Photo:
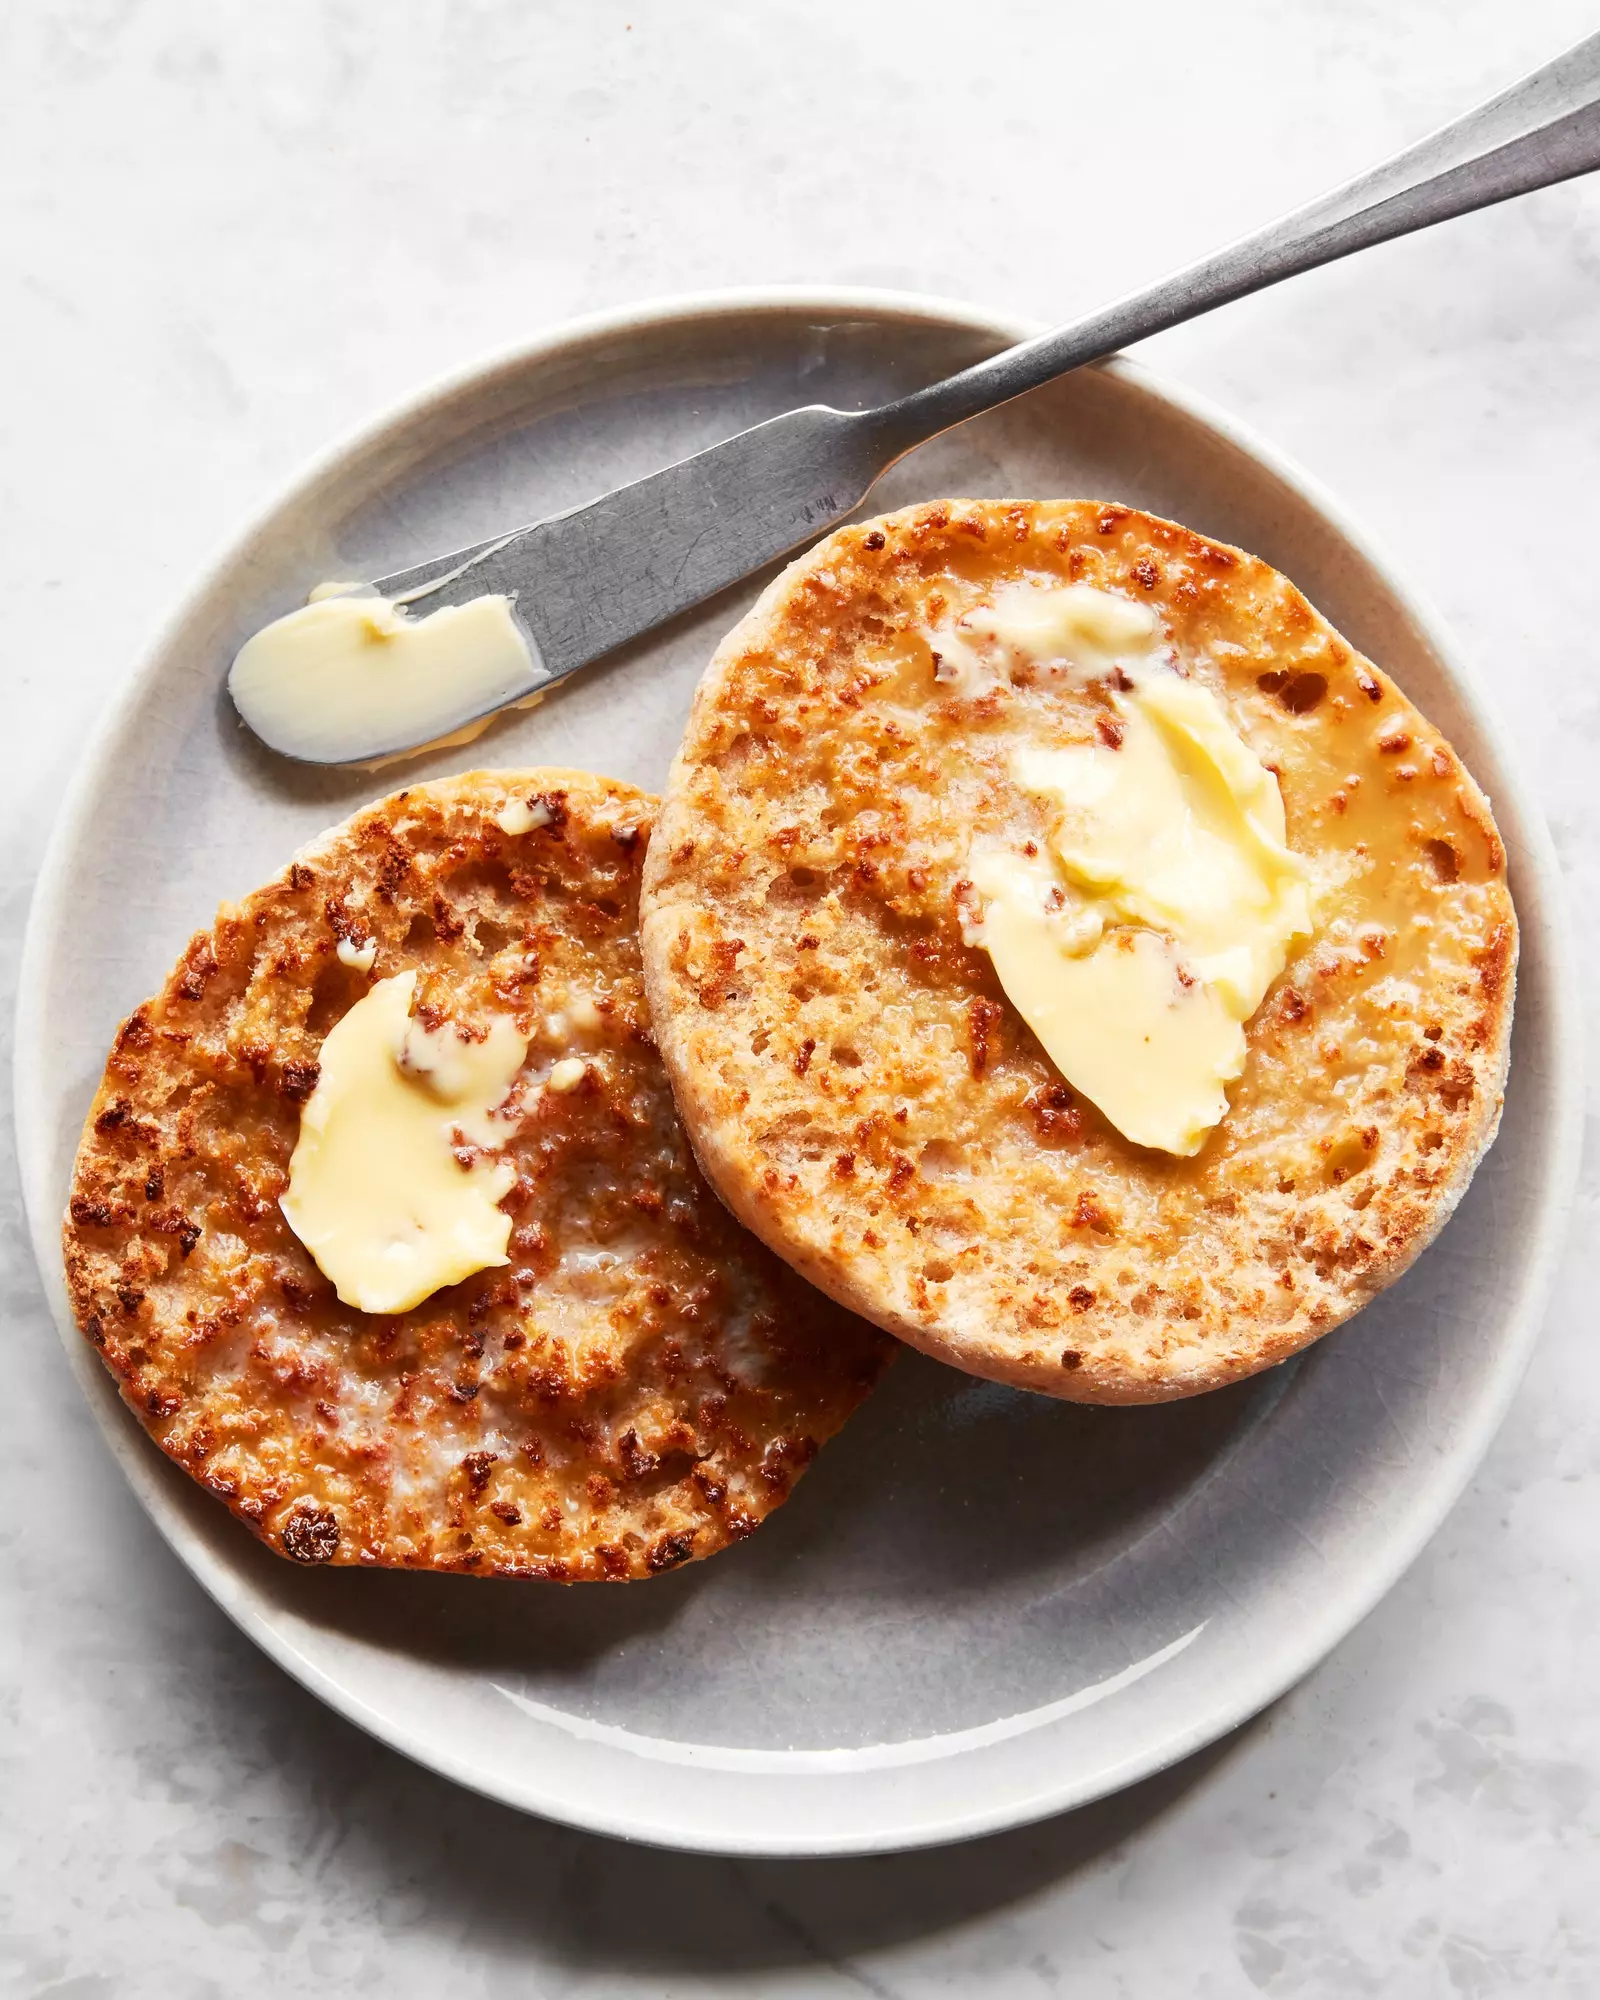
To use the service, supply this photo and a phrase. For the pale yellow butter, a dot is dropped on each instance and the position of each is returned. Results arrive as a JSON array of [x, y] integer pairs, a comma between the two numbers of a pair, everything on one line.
[[518, 816], [376, 1191], [1074, 630], [359, 957], [1116, 1019], [1141, 945], [1074, 626], [343, 673]]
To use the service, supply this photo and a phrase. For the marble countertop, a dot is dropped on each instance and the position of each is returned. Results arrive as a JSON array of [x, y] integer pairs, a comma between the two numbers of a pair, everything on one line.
[[233, 232]]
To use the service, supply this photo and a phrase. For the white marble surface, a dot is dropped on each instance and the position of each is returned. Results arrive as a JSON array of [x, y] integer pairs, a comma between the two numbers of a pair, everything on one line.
[[233, 231]]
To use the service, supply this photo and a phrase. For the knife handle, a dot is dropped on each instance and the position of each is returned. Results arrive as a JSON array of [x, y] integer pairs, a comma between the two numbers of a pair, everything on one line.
[[1542, 130]]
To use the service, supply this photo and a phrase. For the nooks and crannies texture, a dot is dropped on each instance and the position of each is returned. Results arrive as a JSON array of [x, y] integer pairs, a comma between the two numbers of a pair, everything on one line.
[[642, 1383], [854, 1080]]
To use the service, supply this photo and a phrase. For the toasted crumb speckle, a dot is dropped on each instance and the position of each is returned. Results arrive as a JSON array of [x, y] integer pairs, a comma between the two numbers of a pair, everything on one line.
[[610, 1405], [860, 1089]]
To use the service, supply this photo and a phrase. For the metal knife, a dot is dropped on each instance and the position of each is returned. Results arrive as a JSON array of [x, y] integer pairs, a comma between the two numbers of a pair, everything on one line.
[[668, 541]]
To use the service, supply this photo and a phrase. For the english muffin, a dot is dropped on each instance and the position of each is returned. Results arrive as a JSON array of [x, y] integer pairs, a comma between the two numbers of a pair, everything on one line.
[[857, 1083], [634, 1383]]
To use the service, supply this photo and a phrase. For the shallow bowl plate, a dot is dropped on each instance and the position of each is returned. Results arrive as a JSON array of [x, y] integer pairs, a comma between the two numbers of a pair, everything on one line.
[[980, 1607]]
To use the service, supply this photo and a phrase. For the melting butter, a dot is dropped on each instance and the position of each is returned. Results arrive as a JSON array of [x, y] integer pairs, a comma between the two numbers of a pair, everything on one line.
[[518, 816], [376, 1192], [359, 957], [1115, 1018], [567, 1074], [1075, 629], [347, 676], [1139, 948]]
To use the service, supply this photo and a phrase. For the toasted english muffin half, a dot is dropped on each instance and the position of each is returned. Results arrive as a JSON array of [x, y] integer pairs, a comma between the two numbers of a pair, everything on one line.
[[864, 1096], [640, 1385]]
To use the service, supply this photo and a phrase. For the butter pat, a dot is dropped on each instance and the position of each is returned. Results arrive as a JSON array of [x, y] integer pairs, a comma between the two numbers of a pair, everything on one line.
[[348, 677], [376, 1191], [1116, 1019], [1138, 949], [522, 815], [359, 957], [1076, 626], [1074, 630]]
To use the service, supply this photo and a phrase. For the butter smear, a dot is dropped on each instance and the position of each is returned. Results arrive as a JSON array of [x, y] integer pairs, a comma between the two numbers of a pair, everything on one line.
[[345, 677], [377, 1192], [1139, 946]]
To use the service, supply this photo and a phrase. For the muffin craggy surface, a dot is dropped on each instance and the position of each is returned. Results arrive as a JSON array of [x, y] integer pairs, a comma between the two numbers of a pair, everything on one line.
[[640, 1385], [855, 1082]]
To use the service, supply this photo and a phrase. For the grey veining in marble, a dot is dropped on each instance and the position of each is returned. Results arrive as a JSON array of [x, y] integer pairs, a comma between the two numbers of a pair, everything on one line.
[[233, 231]]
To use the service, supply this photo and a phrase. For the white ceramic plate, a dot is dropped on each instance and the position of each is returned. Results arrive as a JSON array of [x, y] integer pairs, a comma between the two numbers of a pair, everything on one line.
[[980, 1607]]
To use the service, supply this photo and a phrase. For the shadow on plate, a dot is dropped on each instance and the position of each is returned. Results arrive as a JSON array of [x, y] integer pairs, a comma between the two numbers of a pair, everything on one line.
[[516, 1893], [940, 1487]]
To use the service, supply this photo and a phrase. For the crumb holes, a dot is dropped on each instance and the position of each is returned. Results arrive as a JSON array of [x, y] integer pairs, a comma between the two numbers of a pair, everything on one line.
[[1351, 1154], [419, 932], [797, 887], [332, 996], [845, 1056], [759, 1041], [1298, 693], [486, 878], [1446, 862], [1301, 693], [490, 937], [940, 1161], [938, 1272]]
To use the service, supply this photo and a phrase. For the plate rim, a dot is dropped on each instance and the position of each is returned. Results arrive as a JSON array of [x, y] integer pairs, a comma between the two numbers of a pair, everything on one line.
[[1541, 891]]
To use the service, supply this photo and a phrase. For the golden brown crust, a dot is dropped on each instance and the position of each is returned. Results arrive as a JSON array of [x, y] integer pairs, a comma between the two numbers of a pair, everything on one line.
[[643, 1383], [862, 1094]]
